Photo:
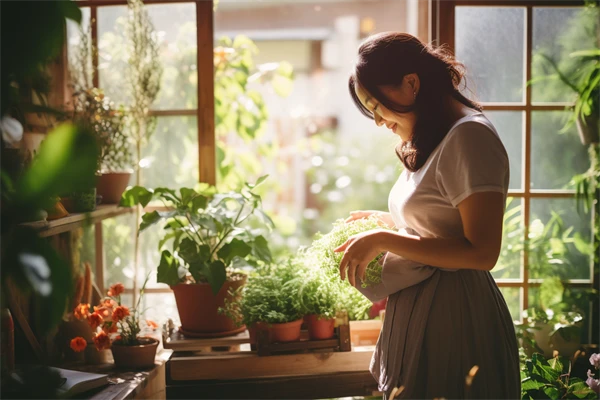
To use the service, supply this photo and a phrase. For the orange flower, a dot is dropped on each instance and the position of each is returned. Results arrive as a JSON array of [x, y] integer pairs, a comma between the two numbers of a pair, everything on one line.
[[82, 311], [109, 327], [105, 309], [102, 340], [116, 289], [95, 320], [120, 313], [78, 344], [151, 324]]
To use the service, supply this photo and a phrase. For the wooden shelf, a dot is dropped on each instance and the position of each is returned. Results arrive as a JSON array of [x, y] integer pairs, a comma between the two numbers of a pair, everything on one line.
[[76, 220]]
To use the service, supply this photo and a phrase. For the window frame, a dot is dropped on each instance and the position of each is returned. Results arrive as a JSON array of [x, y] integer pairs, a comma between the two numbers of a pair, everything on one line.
[[443, 32]]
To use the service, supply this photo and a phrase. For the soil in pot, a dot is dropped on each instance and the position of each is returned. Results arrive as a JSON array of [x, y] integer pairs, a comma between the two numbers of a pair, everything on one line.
[[140, 356], [320, 328], [286, 332], [198, 309], [111, 186]]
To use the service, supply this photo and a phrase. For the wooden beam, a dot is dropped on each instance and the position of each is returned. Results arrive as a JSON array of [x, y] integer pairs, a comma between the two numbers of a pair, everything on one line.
[[206, 93]]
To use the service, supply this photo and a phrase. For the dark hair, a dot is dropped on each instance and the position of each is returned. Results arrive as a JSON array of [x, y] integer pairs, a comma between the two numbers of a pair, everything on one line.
[[385, 59]]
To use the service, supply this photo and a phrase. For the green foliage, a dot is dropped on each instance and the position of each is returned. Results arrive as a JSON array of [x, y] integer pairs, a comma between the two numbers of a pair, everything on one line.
[[320, 294], [241, 110], [551, 379], [272, 294], [210, 232], [108, 123]]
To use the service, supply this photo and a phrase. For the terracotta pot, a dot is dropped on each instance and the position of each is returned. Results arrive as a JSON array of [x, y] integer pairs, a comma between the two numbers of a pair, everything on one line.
[[254, 329], [141, 356], [92, 356], [111, 186], [198, 309], [286, 332], [320, 328]]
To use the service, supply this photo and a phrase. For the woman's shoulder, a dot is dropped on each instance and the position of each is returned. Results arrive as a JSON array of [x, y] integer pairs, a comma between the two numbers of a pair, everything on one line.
[[470, 133]]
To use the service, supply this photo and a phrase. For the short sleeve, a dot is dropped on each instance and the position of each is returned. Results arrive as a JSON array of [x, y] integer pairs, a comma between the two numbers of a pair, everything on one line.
[[472, 159]]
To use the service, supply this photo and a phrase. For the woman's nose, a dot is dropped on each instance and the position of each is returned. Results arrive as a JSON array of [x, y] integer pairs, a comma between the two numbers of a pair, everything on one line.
[[378, 119]]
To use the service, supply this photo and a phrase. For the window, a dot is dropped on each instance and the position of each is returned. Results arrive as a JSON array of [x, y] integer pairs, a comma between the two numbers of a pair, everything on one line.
[[501, 47]]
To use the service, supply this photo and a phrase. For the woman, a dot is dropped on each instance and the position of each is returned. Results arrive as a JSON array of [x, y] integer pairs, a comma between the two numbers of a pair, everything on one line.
[[446, 318]]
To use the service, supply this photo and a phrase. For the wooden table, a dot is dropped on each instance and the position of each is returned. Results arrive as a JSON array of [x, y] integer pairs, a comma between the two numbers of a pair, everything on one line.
[[143, 384]]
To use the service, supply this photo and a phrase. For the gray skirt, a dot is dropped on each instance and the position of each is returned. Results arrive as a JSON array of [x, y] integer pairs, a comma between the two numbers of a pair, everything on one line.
[[436, 330]]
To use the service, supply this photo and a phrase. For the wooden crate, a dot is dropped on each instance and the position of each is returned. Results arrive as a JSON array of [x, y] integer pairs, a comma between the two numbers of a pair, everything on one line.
[[341, 342], [365, 333], [248, 365]]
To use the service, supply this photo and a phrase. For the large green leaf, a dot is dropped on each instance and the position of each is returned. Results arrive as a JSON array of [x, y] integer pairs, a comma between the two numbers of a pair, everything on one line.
[[149, 219], [66, 162], [134, 196], [260, 249], [190, 252], [531, 384], [216, 275], [232, 249], [167, 271], [582, 391], [552, 392]]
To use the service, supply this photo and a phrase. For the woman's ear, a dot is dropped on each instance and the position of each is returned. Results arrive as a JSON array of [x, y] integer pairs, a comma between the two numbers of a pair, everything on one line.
[[413, 82]]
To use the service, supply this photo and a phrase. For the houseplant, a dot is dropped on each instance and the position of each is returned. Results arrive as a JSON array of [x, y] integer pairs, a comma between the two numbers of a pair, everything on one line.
[[319, 301], [107, 121], [213, 236], [119, 328]]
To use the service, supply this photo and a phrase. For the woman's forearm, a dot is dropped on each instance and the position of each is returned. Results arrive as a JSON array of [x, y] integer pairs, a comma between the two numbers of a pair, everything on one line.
[[455, 253]]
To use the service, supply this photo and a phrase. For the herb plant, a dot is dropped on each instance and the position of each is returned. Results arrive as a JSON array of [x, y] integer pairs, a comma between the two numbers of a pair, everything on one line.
[[211, 233], [551, 379]]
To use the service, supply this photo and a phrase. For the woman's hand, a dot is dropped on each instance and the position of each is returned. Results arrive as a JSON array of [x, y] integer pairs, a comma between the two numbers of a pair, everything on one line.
[[359, 251], [384, 218]]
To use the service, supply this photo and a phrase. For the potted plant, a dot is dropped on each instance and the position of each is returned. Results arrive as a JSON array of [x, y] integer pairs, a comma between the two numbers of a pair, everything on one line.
[[213, 236], [319, 299], [107, 122], [119, 328]]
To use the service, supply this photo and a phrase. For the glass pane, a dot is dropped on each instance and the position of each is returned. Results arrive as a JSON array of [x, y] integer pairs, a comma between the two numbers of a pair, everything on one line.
[[170, 158], [512, 296], [555, 156], [558, 240], [509, 125], [119, 234], [150, 255], [88, 246], [175, 25], [327, 158], [74, 44], [557, 32], [510, 260], [159, 307], [490, 41]]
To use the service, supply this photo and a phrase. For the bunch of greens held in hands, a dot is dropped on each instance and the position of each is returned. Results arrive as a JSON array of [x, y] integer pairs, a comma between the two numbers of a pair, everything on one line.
[[320, 254], [211, 234]]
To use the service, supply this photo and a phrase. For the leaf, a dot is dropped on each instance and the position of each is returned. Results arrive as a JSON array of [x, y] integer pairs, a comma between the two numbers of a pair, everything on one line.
[[199, 202], [66, 162], [187, 195], [260, 249], [216, 275], [581, 390], [167, 194], [556, 364], [552, 392], [134, 196], [70, 10], [188, 250], [258, 182], [149, 219], [232, 249], [530, 384], [167, 271]]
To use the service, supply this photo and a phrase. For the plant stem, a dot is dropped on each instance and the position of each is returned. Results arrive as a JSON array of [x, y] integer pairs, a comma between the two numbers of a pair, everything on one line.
[[235, 223]]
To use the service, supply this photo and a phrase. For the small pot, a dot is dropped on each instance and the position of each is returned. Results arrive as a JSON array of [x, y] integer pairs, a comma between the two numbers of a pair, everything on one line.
[[93, 356], [141, 356], [111, 186], [81, 201], [320, 328], [286, 332]]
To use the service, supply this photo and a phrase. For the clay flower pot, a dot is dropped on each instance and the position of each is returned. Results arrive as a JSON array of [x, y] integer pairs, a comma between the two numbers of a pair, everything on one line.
[[320, 328], [141, 356], [198, 309], [111, 186], [286, 332]]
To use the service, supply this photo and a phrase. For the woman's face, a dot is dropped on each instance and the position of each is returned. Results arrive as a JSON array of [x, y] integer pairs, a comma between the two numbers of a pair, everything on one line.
[[401, 124]]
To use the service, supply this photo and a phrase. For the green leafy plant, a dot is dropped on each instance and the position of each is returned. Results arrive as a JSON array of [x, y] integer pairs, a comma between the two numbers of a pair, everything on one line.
[[551, 379], [211, 233], [319, 294], [272, 295], [107, 123]]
